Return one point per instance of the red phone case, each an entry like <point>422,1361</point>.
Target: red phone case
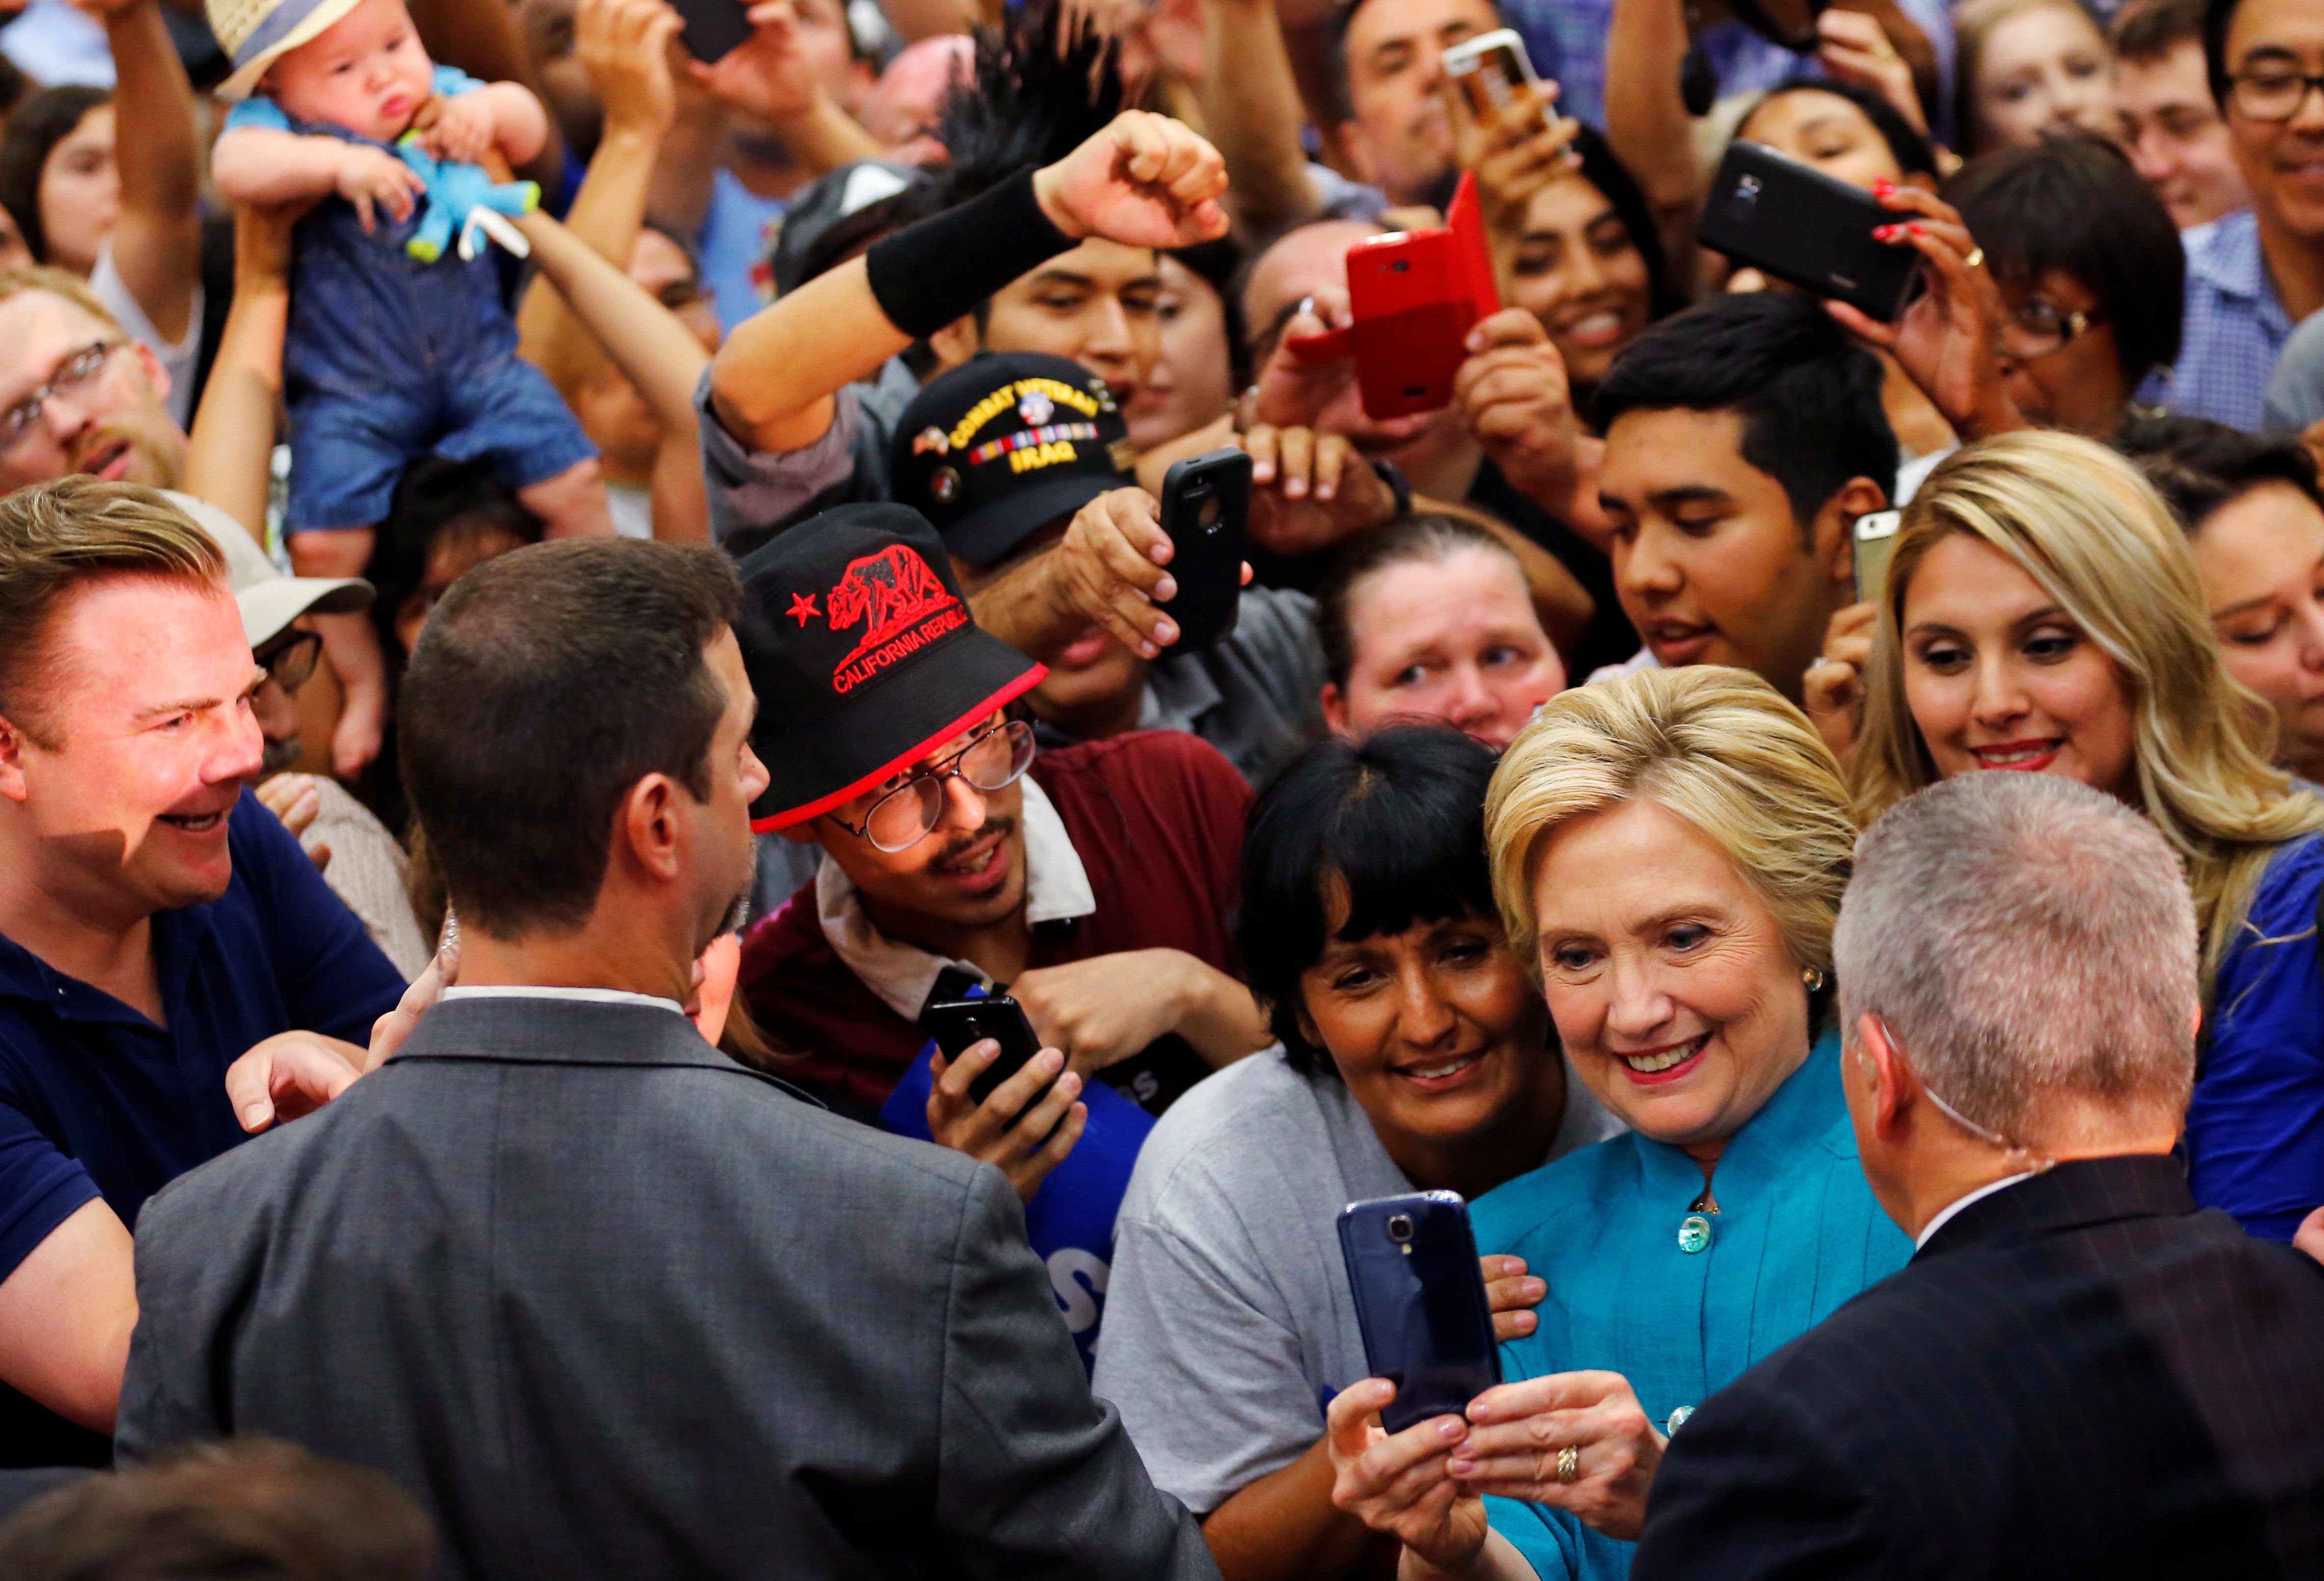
<point>1415,295</point>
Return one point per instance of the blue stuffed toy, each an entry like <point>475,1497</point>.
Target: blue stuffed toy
<point>462,198</point>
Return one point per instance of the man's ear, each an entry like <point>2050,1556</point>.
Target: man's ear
<point>1335,710</point>
<point>649,825</point>
<point>1835,526</point>
<point>1894,1088</point>
<point>12,783</point>
<point>955,343</point>
<point>157,375</point>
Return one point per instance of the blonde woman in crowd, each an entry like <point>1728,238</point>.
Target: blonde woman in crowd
<point>2042,613</point>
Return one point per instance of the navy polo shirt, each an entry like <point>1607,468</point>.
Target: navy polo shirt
<point>96,1100</point>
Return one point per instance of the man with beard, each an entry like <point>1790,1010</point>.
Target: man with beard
<point>156,928</point>
<point>607,1303</point>
<point>1094,884</point>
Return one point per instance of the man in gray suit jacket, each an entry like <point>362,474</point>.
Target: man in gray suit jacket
<point>609,1304</point>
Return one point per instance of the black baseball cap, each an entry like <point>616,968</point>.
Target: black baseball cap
<point>1005,444</point>
<point>863,656</point>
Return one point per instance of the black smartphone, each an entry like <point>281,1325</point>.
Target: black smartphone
<point>1420,1302</point>
<point>1205,505</point>
<point>712,28</point>
<point>956,1023</point>
<point>1789,220</point>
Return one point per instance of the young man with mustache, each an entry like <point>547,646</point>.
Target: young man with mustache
<point>1095,883</point>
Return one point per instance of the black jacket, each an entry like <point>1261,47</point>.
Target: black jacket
<point>2079,1375</point>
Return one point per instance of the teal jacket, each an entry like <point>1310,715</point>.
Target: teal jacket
<point>1677,1302</point>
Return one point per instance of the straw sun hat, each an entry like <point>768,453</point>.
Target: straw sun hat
<point>255,34</point>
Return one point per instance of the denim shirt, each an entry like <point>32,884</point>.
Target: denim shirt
<point>1682,1303</point>
<point>366,316</point>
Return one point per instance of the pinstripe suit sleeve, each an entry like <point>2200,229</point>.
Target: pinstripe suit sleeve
<point>1753,1489</point>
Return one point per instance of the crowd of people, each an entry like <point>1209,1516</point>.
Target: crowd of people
<point>659,508</point>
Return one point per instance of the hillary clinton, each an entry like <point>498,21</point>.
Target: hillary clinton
<point>1669,850</point>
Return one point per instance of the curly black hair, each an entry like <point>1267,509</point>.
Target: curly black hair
<point>1045,82</point>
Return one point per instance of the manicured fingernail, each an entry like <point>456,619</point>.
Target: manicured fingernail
<point>252,1114</point>
<point>1534,1287</point>
<point>1916,230</point>
<point>1884,233</point>
<point>1294,486</point>
<point>1453,1427</point>
<point>1052,1059</point>
<point>1883,188</point>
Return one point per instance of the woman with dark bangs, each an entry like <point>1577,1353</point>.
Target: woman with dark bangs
<point>1417,1055</point>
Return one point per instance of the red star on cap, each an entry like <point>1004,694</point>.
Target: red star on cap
<point>803,608</point>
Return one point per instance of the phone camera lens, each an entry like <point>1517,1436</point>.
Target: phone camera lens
<point>1208,516</point>
<point>1399,1227</point>
<point>1399,265</point>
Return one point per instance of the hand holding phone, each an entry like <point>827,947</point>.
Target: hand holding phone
<point>714,28</point>
<point>1205,514</point>
<point>1875,541</point>
<point>1019,1114</point>
<point>1786,217</point>
<point>1420,1300</point>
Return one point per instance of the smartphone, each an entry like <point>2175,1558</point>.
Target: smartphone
<point>956,1023</point>
<point>1786,217</point>
<point>1413,305</point>
<point>712,28</point>
<point>1206,508</point>
<point>1876,539</point>
<point>1420,1302</point>
<point>1490,68</point>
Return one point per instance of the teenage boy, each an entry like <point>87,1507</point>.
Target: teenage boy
<point>155,925</point>
<point>2252,276</point>
<point>1095,884</point>
<point>2171,127</point>
<point>1743,439</point>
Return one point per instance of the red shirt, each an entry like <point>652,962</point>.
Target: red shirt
<point>1157,818</point>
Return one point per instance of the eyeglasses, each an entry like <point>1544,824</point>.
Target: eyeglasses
<point>903,817</point>
<point>2270,94</point>
<point>2036,328</point>
<point>290,663</point>
<point>70,377</point>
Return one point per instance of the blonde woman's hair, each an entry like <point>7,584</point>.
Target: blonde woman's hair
<point>1718,747</point>
<point>2093,534</point>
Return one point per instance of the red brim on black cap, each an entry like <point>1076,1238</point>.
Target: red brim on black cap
<point>982,673</point>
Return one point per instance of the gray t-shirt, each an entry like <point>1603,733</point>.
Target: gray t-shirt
<point>1229,1322</point>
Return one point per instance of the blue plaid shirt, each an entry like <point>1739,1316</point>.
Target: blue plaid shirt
<point>1567,41</point>
<point>2235,326</point>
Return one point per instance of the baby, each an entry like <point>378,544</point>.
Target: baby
<point>390,355</point>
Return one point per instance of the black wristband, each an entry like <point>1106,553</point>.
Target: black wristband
<point>1398,484</point>
<point>928,274</point>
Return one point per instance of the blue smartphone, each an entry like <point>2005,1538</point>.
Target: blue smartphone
<point>1420,1300</point>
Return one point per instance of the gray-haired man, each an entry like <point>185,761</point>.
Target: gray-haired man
<point>2078,1373</point>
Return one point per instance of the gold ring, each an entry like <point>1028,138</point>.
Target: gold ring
<point>1569,1463</point>
<point>1975,257</point>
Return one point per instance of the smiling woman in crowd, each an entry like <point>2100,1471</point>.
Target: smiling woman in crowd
<point>2044,613</point>
<point>1415,1056</point>
<point>1428,618</point>
<point>2031,66</point>
<point>2090,272</point>
<point>1669,849</point>
<point>2255,521</point>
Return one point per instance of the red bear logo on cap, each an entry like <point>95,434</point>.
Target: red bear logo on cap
<point>894,589</point>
